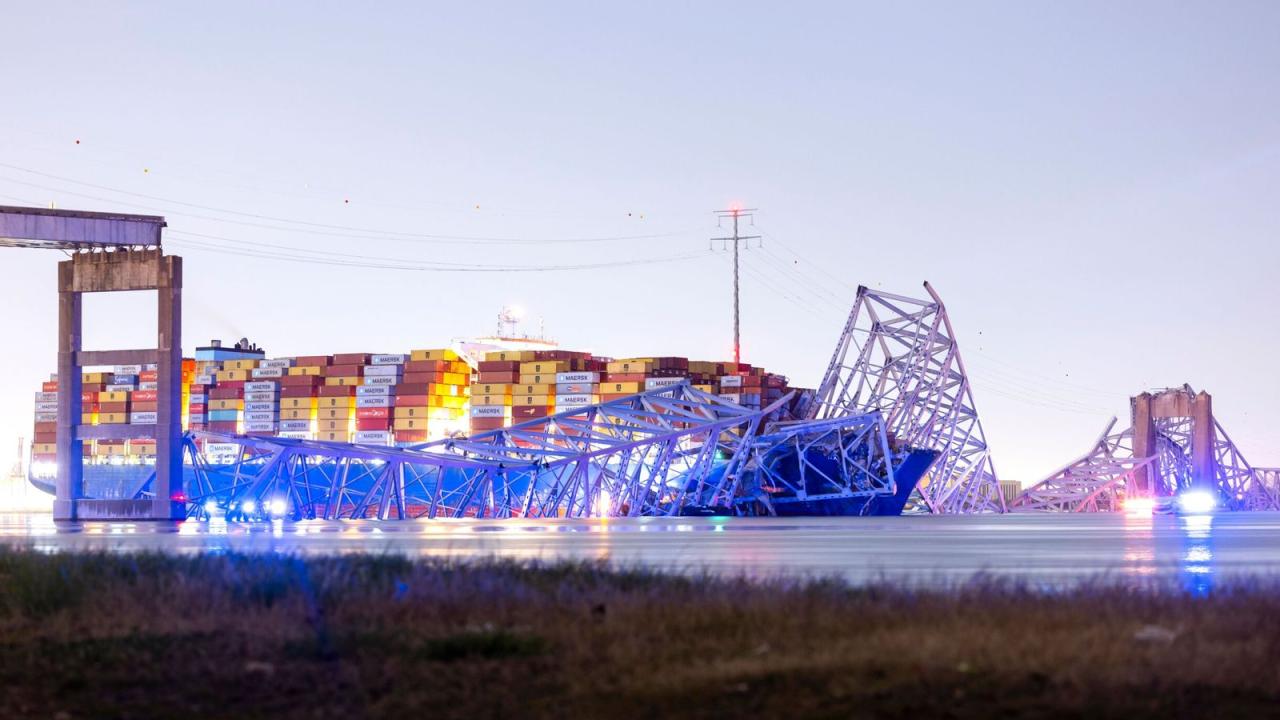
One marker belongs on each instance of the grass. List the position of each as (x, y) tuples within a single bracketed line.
[(237, 636)]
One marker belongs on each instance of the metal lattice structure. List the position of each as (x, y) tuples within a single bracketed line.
[(662, 452), (1095, 482), (899, 356)]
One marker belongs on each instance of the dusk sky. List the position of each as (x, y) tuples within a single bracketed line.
[(1093, 188)]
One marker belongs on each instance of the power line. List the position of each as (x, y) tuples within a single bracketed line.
[(736, 239), (389, 234)]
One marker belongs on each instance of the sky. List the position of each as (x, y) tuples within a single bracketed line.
[(1091, 187)]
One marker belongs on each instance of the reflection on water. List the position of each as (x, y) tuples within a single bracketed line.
[(1195, 552), (1197, 558)]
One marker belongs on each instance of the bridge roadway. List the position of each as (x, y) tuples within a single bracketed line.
[(1054, 549)]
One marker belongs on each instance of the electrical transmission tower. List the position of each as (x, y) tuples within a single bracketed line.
[(736, 239)]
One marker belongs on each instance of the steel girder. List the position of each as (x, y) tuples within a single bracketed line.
[(899, 356), (656, 453), (1095, 482)]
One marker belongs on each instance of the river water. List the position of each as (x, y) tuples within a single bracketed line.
[(1193, 551)]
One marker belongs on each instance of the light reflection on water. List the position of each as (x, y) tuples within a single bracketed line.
[(1193, 551)]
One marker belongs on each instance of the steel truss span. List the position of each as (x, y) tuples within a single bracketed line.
[(1103, 478), (899, 356), (662, 452)]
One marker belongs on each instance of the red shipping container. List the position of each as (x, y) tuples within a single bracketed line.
[(197, 409), (372, 412), (512, 366), (298, 391), (232, 384), (624, 377), (46, 427), (145, 407), (419, 378), (373, 424), (144, 396), (113, 407), (148, 376), (225, 393), (299, 381), (483, 424), (88, 397), (498, 377), (344, 371), (413, 389), (43, 438), (410, 435), (223, 426), (529, 412), (337, 390), (312, 361), (427, 366), (51, 386), (351, 359)]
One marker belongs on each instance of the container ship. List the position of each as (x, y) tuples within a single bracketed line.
[(402, 399)]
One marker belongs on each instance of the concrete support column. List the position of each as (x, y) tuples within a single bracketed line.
[(1203, 463), (170, 498), (69, 485), (1143, 481)]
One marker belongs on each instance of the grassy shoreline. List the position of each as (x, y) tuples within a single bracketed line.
[(249, 636)]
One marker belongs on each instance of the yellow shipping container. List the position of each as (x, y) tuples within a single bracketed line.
[(334, 436), (442, 354), (298, 403), (623, 387), (304, 413), (534, 389), (342, 381), (242, 364), (231, 375), (544, 366), (490, 399), (44, 448), (89, 419), (113, 418), (629, 367), (703, 367), (94, 378), (459, 366), (332, 402), (492, 389), (455, 378), (411, 423), (338, 413), (327, 426), (116, 396), (538, 400), (538, 379), (455, 403), (231, 404), (306, 370), (509, 355), (706, 388)]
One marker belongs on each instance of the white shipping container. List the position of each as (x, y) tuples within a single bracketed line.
[(259, 406), (388, 359), (382, 380), (295, 434), (204, 380), (378, 370), (731, 381), (47, 407), (731, 397), (127, 369), (260, 416), (576, 389), (655, 383), (259, 426), (295, 425), (149, 385), (574, 400), (142, 418), (266, 397), (46, 397), (261, 386), (46, 417), (578, 377), (277, 363), (121, 388), (373, 402), (197, 398), (373, 437), (149, 366), (490, 411), (266, 372), (374, 391)]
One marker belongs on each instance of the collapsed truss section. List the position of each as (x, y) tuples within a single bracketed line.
[(1095, 482), (662, 452), (898, 356)]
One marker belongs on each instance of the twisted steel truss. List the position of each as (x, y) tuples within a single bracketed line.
[(899, 356), (662, 452), (1095, 482)]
